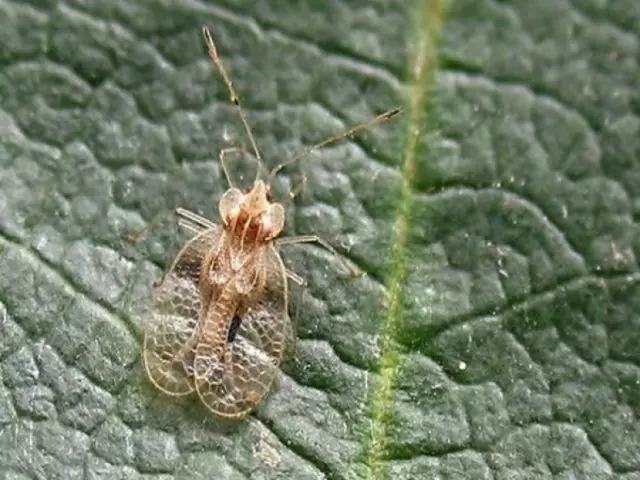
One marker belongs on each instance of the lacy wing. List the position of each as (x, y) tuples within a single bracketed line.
[(171, 324)]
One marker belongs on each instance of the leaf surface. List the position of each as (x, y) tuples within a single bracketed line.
[(496, 332)]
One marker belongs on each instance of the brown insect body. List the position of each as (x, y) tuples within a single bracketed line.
[(239, 275), (219, 323)]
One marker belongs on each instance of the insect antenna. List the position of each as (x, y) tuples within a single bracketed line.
[(334, 137), (234, 97)]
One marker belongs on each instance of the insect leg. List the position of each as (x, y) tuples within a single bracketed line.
[(192, 221), (302, 283), (188, 220), (352, 271), (297, 279)]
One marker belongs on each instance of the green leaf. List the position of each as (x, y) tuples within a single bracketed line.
[(495, 333)]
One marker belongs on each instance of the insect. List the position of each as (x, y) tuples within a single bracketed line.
[(219, 323)]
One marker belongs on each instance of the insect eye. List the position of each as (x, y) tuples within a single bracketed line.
[(230, 203), (274, 219)]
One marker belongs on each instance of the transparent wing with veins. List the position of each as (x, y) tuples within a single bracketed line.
[(255, 343), (171, 326)]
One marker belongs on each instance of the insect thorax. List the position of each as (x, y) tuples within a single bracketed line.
[(237, 262)]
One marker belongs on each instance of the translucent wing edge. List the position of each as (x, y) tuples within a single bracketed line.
[(166, 377)]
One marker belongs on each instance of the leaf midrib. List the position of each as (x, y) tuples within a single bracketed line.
[(422, 67)]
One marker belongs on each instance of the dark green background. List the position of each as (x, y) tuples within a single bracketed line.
[(518, 343)]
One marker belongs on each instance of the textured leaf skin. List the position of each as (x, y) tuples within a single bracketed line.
[(517, 342)]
